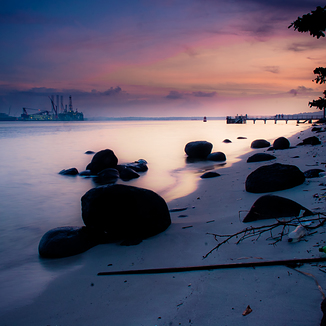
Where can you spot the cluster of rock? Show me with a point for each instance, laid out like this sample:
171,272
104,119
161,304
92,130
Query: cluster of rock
104,168
110,213
275,177
202,150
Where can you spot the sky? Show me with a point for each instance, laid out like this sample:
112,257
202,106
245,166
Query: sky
158,58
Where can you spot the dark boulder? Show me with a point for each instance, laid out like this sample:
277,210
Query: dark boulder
260,143
127,173
138,166
121,212
260,157
310,141
271,206
210,174
240,137
281,143
89,152
198,149
108,175
216,156
72,171
316,129
313,173
86,173
274,177
227,141
102,160
66,241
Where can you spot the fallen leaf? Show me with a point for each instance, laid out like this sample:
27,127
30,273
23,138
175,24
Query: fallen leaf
247,311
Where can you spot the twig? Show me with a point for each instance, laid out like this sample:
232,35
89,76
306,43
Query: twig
257,231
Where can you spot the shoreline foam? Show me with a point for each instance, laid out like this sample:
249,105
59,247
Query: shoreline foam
277,295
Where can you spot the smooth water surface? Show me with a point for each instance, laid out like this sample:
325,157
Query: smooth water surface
34,198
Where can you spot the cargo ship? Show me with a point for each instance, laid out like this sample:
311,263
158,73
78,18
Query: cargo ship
6,117
55,114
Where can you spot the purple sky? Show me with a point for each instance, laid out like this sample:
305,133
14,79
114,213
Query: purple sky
159,58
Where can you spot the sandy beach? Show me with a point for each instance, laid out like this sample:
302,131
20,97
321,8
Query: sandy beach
277,295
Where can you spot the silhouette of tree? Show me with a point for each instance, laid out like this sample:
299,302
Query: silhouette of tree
315,23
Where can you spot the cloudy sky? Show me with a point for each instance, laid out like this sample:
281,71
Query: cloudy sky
159,57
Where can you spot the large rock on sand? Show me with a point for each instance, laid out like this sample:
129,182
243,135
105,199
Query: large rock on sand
271,206
281,143
198,149
260,157
102,160
66,241
310,141
121,212
274,177
260,143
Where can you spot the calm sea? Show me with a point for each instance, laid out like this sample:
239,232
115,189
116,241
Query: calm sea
35,198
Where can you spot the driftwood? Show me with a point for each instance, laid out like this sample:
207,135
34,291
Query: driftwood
281,225
285,262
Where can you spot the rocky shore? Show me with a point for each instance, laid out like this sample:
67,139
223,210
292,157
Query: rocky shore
269,295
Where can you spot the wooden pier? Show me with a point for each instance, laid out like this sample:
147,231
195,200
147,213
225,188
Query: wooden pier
299,118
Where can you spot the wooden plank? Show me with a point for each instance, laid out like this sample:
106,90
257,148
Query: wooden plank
287,262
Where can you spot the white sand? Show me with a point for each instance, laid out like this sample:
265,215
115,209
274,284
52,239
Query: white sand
278,295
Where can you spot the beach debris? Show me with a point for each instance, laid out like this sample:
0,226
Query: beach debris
241,137
71,171
299,232
314,222
89,152
272,206
210,174
274,177
260,143
260,157
183,215
247,311
216,156
198,149
187,227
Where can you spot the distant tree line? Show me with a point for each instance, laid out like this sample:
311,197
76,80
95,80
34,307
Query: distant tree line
315,23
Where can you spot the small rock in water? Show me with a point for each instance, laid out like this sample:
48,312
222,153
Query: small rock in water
72,171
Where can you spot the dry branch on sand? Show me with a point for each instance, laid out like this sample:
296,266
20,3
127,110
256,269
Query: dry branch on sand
282,225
